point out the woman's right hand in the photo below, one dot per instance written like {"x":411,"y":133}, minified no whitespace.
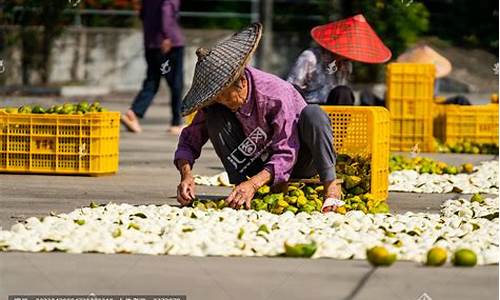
{"x":185,"y":191}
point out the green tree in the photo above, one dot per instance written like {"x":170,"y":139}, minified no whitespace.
{"x":41,"y":22}
{"x":465,"y":22}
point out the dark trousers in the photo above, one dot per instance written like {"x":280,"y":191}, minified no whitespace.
{"x":368,"y":98}
{"x":340,"y":95}
{"x":316,"y":154}
{"x":154,"y":60}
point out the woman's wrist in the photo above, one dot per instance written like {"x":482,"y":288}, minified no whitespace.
{"x":186,"y":176}
{"x":254,"y":185}
{"x":262,"y":178}
{"x":184,"y":169}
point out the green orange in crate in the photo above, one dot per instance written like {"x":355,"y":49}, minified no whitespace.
{"x":59,"y":140}
{"x":62,"y":109}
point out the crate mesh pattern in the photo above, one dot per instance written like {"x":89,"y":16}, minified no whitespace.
{"x":60,"y":144}
{"x":364,"y":131}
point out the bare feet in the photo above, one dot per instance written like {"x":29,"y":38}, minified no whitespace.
{"x":332,"y":189}
{"x":176,"y":130}
{"x":131,"y":121}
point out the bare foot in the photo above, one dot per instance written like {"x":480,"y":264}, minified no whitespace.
{"x":176,"y":130}
{"x":329,"y":209}
{"x":332,"y":189}
{"x":131,"y":122}
{"x":332,"y":195}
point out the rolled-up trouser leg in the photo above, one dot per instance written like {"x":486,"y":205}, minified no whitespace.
{"x":226,"y":134}
{"x":317,"y":154}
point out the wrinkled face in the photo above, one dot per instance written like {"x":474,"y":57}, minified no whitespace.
{"x":234,"y":96}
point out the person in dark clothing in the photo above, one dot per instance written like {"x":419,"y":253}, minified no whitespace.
{"x":368,"y":98}
{"x":320,"y":69}
{"x":458,"y":100}
{"x":164,"y":53}
{"x":340,"y":95}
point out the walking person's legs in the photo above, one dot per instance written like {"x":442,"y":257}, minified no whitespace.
{"x":149,"y":89}
{"x":175,"y":80}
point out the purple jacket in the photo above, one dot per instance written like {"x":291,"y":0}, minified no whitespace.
{"x":269,"y":118}
{"x":159,"y":18}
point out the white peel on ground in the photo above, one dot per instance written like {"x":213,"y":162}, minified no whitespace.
{"x":221,"y":179}
{"x":483,"y":180}
{"x":159,"y":230}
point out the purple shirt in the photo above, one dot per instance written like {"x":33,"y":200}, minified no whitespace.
{"x":159,"y":18}
{"x":269,"y":119}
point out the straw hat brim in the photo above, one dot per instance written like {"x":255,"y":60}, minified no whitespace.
{"x":204,"y":89}
{"x":426,"y":55}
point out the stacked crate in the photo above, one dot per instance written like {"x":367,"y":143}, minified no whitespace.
{"x":60,"y":144}
{"x":473,"y":123}
{"x":410,"y":100}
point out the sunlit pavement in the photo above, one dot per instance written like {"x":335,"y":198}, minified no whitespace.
{"x":147,"y":176}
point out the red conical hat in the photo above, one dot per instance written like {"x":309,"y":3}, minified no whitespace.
{"x":352,"y":38}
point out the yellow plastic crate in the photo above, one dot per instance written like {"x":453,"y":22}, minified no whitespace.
{"x":364,"y":131}
{"x":439,"y":99}
{"x":60,"y":144}
{"x":438,"y":113}
{"x":475,"y":123}
{"x":410,"y":98}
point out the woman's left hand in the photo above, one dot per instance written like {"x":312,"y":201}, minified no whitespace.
{"x":242,"y":194}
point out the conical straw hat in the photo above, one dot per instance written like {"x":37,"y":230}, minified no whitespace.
{"x":424,"y":54}
{"x":218,"y":67}
{"x":352,"y":38}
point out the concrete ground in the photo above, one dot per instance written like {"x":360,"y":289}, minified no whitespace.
{"x":147,"y":176}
